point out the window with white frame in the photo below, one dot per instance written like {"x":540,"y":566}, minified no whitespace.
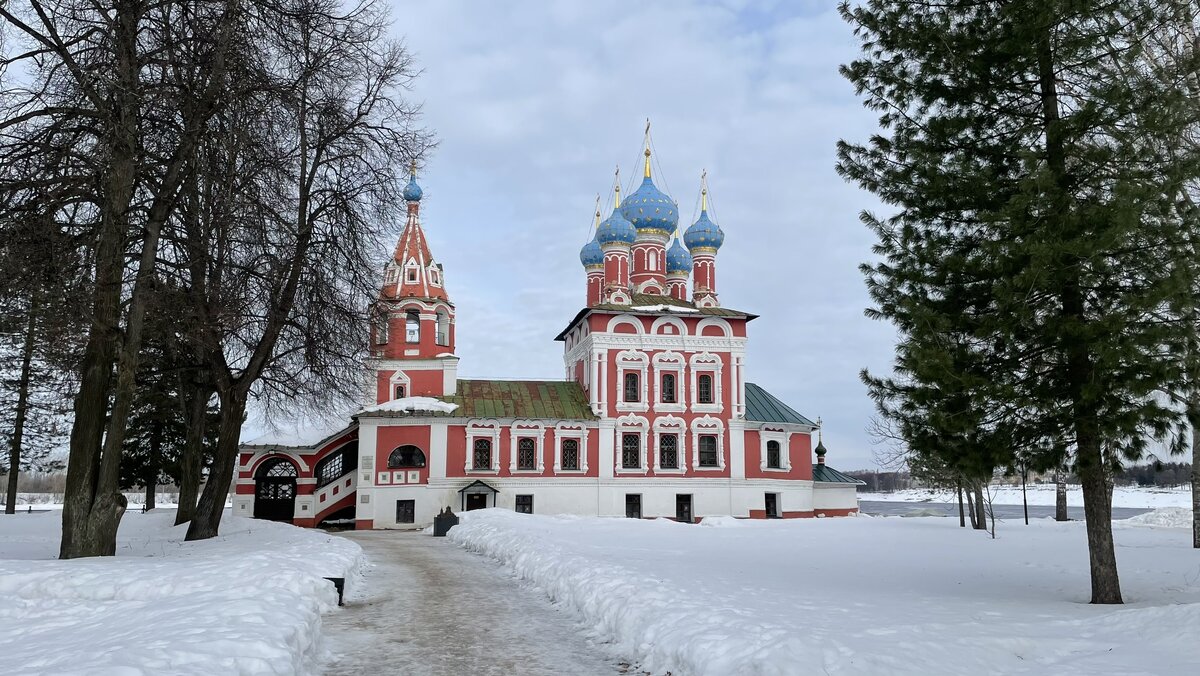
{"x":704,"y":388}
{"x":570,"y":455}
{"x":707,"y":451}
{"x":400,"y":392}
{"x":668,"y":451}
{"x":381,"y":328}
{"x":667,"y":394}
{"x":632,"y":388}
{"x":773,"y":455}
{"x":526,"y":454}
{"x":631,"y":450}
{"x":412,"y":326}
{"x":632,"y":367}
{"x":706,"y":382}
{"x":481,"y":456}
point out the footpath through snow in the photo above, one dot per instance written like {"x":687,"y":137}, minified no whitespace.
{"x":246,"y":602}
{"x":858,"y":595}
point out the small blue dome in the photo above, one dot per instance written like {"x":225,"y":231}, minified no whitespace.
{"x":703,"y":233}
{"x":412,"y":191}
{"x":678,"y":258}
{"x":591,"y":254}
{"x":615,"y":229}
{"x":649,"y":208}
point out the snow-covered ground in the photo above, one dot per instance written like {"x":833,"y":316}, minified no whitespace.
{"x":54,"y":500}
{"x":246,"y":602}
{"x":1043,"y":494}
{"x":858,"y":595}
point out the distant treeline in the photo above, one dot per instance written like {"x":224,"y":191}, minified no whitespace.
{"x":1163,"y":474}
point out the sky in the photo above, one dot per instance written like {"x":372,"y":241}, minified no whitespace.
{"x":534,"y":105}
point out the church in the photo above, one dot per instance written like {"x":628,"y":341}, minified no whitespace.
{"x":654,"y":417}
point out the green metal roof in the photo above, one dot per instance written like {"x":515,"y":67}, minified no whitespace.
{"x":538,"y":399}
{"x":762,"y":406}
{"x":830,"y":475}
{"x":653,"y":300}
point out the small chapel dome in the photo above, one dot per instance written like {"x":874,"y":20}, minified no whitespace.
{"x":704,"y":234}
{"x":678,"y":258}
{"x":412,"y":191}
{"x":616,"y":229}
{"x":591,"y":254}
{"x":649,"y":208}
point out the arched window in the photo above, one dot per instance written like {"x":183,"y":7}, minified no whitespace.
{"x":631,"y":451}
{"x":668,"y":388}
{"x":708,"y":451}
{"x":652,"y":262}
{"x":632,"y":387}
{"x":277,"y":468}
{"x":668,"y":451}
{"x":570,"y":454}
{"x":400,"y":392}
{"x":526,"y":453}
{"x":443,"y":327}
{"x":773,"y":460}
{"x":406,"y":456}
{"x":482,"y":456}
{"x":704,"y":389}
{"x":412,"y":326}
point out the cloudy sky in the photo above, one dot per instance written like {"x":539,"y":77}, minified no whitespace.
{"x":535,"y":103}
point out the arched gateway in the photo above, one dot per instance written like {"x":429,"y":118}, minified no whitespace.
{"x":275,"y":490}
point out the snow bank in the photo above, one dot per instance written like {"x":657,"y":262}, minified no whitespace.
{"x":663,"y":308}
{"x":247,"y":602}
{"x":410,"y":404}
{"x":1165,"y":517}
{"x":855,"y":596}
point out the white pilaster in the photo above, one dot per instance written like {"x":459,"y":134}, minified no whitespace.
{"x":438,"y":433}
{"x":606,"y":439}
{"x":737,"y":449}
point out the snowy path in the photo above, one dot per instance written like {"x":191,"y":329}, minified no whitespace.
{"x":429,"y":607}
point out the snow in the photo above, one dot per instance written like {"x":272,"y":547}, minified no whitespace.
{"x":1163,"y":517}
{"x":246,"y":602}
{"x":856,"y":595}
{"x":663,"y":308}
{"x":301,"y":433}
{"x":410,"y":404}
{"x":1044,"y":494}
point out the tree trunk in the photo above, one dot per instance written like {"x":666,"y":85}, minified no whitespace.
{"x":1060,"y":497}
{"x":962,"y":519}
{"x":191,"y":464}
{"x":207,"y":518}
{"x":1193,"y":414}
{"x":980,"y":521}
{"x":1097,"y":511}
{"x":152,"y":464}
{"x":971,"y":508}
{"x":1024,"y":501}
{"x":14,"y":451}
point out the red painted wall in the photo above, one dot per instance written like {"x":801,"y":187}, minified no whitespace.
{"x":388,"y":439}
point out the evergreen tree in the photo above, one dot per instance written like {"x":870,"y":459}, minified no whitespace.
{"x":1029,"y":155}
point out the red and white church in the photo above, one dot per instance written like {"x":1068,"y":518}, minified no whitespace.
{"x":654,"y":418}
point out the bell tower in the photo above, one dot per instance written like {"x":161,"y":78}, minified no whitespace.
{"x":412,"y":321}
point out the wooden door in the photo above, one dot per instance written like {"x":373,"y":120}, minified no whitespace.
{"x":406,"y":511}
{"x":476,"y":501}
{"x":683,"y":508}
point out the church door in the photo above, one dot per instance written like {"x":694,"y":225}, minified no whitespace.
{"x":683,"y":508}
{"x":275,"y":491}
{"x":476,"y":501}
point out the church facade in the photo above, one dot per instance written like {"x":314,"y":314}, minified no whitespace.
{"x":654,"y":417}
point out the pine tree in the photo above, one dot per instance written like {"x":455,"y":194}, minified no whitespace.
{"x":1024,"y":151}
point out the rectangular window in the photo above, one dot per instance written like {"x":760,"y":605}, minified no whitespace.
{"x":668,"y":451}
{"x":412,"y":327}
{"x":482,"y":458}
{"x":381,"y":330}
{"x":632,"y":387}
{"x":570,"y":454}
{"x":526,"y":454}
{"x":704,"y":389}
{"x":406,"y":511}
{"x":708,"y":451}
{"x":773,"y":460}
{"x":525,"y":504}
{"x":668,"y":388}
{"x":631,"y":451}
{"x":633,"y":505}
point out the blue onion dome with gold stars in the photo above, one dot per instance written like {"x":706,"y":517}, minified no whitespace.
{"x":649,"y":208}
{"x":704,"y":234}
{"x":678,"y":258}
{"x":591,"y":254}
{"x":615,"y":229}
{"x":412,"y":191}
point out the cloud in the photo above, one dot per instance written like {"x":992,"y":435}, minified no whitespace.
{"x":535,"y":103}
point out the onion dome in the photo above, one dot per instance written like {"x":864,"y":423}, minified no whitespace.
{"x":678,"y":258}
{"x":591,"y":254}
{"x":412,"y":191}
{"x":703,"y":234}
{"x":616,"y":229}
{"x":649,"y":208}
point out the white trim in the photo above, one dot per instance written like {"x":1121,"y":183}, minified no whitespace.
{"x":630,"y":424}
{"x":674,"y":363}
{"x":670,"y":424}
{"x":766,"y":435}
{"x":618,"y":320}
{"x":482,"y":429}
{"x":706,"y":362}
{"x":562,"y":432}
{"x":678,"y":323}
{"x":525,"y":429}
{"x":627,"y":361}
{"x":399,"y":378}
{"x":718,"y":322}
{"x":708,"y":425}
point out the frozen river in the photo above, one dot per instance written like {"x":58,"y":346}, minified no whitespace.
{"x":1002,"y":511}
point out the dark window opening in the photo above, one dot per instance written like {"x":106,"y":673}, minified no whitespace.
{"x":278,"y":468}
{"x":633,"y":505}
{"x":406,"y":456}
{"x":773,"y":460}
{"x":400,"y":392}
{"x":412,"y":327}
{"x":570,"y":454}
{"x":525,"y":504}
{"x":482,"y":458}
{"x":708,"y":451}
{"x":406,"y":511}
{"x":631,"y":451}
{"x":668,"y":388}
{"x":632,"y":388}
{"x":668,"y":451}
{"x":704,"y":389}
{"x":526,"y":454}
